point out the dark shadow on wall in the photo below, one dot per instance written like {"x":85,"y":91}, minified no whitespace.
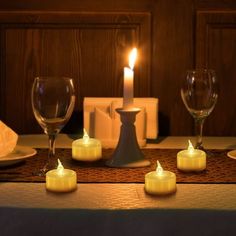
{"x":74,"y":125}
{"x":164,"y":125}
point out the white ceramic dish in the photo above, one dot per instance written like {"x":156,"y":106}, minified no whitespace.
{"x":19,"y":154}
{"x":232,"y":154}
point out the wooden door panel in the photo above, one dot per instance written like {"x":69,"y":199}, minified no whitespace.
{"x":216,"y":49}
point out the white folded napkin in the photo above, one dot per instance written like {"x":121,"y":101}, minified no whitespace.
{"x":107,"y":126}
{"x":8,"y":139}
{"x":103,"y":122}
{"x":106,"y":106}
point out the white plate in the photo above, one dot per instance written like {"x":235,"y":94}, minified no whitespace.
{"x":18,"y":154}
{"x":232,"y":154}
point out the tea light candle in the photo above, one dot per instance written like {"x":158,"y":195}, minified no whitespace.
{"x":128,"y":81}
{"x":61,"y":180}
{"x":191,"y":159}
{"x":86,"y":149}
{"x":160,"y":182}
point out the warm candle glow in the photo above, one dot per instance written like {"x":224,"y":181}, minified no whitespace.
{"x":85,"y":137}
{"x":129,"y":80}
{"x":60,"y":168}
{"x":132,"y":58}
{"x":190,"y":147}
{"x":86,"y":148}
{"x":60,"y":179}
{"x":159,"y":168}
{"x":191,"y":159}
{"x":160,"y":181}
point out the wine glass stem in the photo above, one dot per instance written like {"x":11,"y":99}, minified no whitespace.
{"x":198,"y":132}
{"x":51,"y":140}
{"x":51,"y":153}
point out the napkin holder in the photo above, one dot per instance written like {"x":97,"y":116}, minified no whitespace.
{"x":103,"y":122}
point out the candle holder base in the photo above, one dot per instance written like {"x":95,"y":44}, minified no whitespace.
{"x":127,"y":152}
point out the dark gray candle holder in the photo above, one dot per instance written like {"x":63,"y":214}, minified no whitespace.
{"x":127,"y":152}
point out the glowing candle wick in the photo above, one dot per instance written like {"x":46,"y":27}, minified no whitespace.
{"x":190,"y":147}
{"x":159,"y":169}
{"x":132,"y":58}
{"x":60,"y":168}
{"x":85,"y":137}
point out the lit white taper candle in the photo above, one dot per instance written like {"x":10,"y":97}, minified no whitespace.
{"x":128,"y":95}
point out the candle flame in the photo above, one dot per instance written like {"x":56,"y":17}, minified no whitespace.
{"x":132,"y":58}
{"x":159,"y":168}
{"x":86,"y":136}
{"x":190,"y":147}
{"x":60,"y":168}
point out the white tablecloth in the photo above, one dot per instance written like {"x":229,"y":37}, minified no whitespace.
{"x":118,"y":209}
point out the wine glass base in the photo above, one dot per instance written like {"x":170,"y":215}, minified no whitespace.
{"x":41,"y":172}
{"x":48,"y":166}
{"x":208,"y":152}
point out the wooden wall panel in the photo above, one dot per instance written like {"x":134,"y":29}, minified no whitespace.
{"x":91,"y":48}
{"x":216,"y":49}
{"x":89,"y":40}
{"x":172,"y":56}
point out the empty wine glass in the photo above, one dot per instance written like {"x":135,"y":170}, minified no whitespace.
{"x":53,"y":101}
{"x":199,"y":93}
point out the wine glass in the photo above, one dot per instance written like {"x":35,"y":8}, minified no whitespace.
{"x":53,"y":100}
{"x":199,"y":93}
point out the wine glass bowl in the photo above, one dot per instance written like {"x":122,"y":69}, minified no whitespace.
{"x":199,"y":93}
{"x":53,"y":101}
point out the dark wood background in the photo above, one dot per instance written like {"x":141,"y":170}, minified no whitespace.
{"x":90,"y":40}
